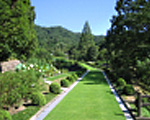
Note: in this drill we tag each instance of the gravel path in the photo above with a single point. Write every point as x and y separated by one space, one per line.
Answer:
40 115
122 106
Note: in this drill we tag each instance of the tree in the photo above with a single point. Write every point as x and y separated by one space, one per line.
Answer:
129 31
17 29
92 53
86 41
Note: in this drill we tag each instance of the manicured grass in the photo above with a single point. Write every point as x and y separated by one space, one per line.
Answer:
59 76
91 99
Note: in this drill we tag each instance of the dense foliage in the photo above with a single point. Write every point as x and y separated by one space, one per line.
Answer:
55 88
15 86
4 115
128 39
86 49
64 83
59 41
38 99
17 34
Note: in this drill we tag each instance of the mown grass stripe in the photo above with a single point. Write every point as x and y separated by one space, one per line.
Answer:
91 99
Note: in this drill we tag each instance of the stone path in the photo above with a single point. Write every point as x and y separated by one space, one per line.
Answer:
40 115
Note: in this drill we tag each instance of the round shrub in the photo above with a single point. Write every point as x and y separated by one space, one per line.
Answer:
79 73
4 115
75 76
64 83
121 82
38 99
54 88
71 79
129 90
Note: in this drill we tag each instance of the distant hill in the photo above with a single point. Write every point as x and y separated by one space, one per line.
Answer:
53 37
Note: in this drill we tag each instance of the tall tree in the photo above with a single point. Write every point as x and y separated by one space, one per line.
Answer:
86 41
129 31
17 29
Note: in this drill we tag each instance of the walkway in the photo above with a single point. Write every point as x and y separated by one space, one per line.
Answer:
46 109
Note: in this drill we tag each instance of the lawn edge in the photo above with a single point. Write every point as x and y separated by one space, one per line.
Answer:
120 102
44 111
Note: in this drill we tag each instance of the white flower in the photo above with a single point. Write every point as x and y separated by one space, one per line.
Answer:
40 71
31 65
23 66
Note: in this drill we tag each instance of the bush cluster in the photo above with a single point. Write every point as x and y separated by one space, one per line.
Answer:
55 88
129 90
75 76
4 115
121 83
71 79
38 99
64 83
16 86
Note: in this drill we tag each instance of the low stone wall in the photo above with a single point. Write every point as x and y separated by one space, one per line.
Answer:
9 65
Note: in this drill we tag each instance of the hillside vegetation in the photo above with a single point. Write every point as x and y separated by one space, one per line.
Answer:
58 37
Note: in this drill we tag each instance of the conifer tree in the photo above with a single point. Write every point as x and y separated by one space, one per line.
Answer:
86 41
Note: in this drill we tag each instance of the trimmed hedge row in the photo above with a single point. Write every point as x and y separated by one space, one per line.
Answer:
56 88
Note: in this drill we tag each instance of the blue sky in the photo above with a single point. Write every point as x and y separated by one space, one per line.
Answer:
72 14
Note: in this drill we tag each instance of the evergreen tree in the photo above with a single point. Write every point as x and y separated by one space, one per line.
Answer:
92 53
86 41
17 29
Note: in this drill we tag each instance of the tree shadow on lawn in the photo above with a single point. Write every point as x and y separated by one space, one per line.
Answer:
94 78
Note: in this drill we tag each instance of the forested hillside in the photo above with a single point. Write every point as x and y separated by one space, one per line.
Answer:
53 38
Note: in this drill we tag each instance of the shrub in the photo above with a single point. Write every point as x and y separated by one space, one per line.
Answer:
75 76
79 73
4 115
64 83
54 88
121 83
13 97
71 79
129 90
38 99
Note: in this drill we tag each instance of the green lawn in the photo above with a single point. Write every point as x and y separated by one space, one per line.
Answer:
91 99
88 67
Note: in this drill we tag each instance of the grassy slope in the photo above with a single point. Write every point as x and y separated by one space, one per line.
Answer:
91 99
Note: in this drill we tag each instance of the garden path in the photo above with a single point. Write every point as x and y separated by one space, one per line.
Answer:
40 115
